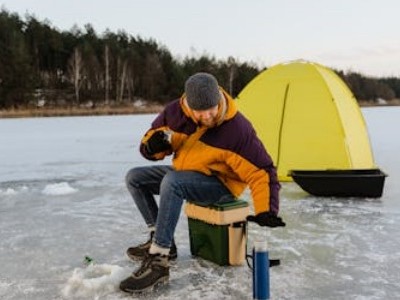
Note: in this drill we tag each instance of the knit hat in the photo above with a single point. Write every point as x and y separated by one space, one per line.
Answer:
202 91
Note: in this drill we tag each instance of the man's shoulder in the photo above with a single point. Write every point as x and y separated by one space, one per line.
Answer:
173 106
171 109
175 118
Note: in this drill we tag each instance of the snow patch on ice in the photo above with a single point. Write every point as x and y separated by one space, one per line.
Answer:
8 192
4 288
94 280
62 188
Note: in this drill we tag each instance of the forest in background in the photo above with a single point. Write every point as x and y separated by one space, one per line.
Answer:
41 66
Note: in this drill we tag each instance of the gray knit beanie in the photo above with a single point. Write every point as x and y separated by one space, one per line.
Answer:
202 91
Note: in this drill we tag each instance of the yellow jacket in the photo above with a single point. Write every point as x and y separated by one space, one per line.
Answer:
231 151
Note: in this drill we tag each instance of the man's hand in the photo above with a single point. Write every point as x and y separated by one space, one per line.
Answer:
158 142
266 219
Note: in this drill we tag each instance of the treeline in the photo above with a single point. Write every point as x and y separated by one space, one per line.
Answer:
41 65
372 89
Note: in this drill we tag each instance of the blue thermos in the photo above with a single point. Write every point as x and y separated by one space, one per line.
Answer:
260 271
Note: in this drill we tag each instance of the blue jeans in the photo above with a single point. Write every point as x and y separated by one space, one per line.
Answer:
173 187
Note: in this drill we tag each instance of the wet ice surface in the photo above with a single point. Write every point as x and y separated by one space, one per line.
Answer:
62 196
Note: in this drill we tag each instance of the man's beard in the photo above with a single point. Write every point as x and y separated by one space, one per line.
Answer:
208 123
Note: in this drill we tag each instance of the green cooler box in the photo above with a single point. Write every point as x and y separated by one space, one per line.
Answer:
218 233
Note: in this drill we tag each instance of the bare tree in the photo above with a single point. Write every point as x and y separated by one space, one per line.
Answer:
130 82
75 71
123 79
153 76
122 66
232 73
107 73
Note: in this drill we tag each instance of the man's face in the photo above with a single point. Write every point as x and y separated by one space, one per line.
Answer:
207 117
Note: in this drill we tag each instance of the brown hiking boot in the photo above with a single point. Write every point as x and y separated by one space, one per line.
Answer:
153 271
141 251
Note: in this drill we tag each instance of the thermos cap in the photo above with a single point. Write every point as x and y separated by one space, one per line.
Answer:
260 246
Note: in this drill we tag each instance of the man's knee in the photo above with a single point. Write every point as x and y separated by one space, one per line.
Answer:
132 177
170 177
174 179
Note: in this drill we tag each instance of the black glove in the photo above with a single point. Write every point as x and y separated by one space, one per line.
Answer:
266 219
158 143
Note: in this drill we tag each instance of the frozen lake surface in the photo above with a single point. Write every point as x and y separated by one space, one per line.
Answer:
62 196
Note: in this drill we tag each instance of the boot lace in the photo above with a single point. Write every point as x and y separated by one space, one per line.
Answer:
146 264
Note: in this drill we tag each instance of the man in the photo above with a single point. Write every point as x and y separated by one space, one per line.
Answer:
216 155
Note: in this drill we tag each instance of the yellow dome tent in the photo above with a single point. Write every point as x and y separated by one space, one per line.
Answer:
307 118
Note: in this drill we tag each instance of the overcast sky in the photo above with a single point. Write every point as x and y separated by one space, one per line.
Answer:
351 35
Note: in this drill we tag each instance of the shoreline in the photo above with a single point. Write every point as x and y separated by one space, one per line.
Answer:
36 112
77 111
